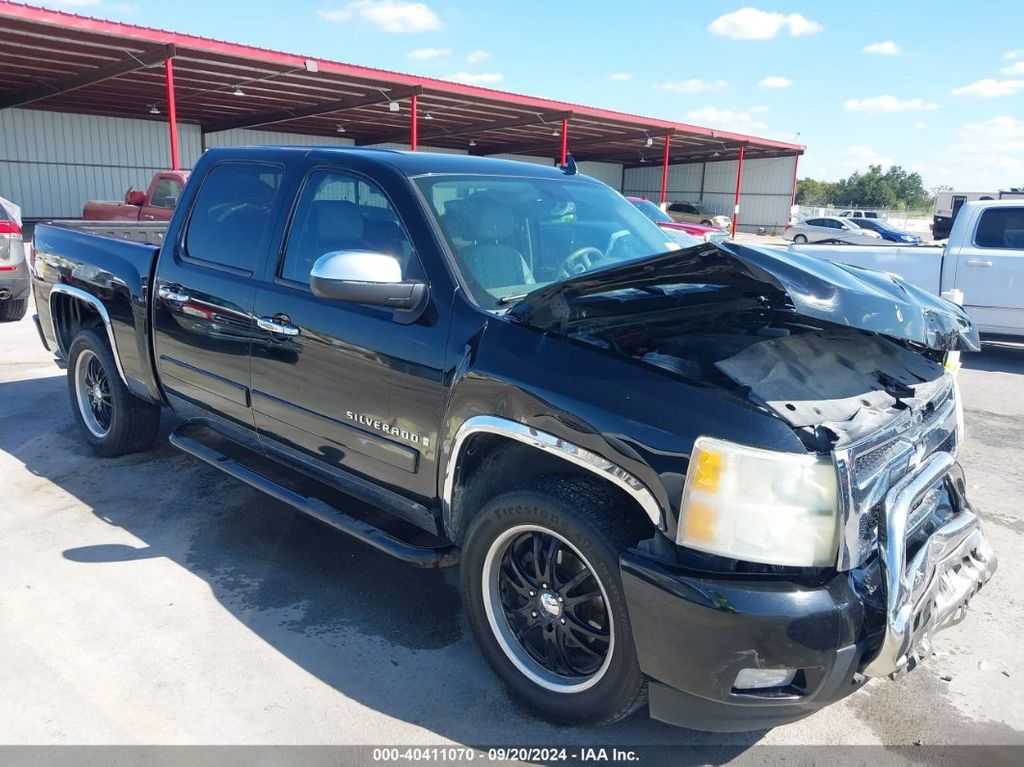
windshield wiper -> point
(511, 299)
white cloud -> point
(758, 110)
(727, 119)
(1017, 68)
(990, 149)
(476, 78)
(621, 77)
(885, 48)
(920, 125)
(124, 8)
(862, 156)
(395, 16)
(887, 103)
(693, 85)
(990, 88)
(429, 53)
(775, 82)
(755, 24)
(1014, 55)
(475, 57)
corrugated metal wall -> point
(51, 163)
(767, 188)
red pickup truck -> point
(155, 204)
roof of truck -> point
(410, 163)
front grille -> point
(869, 469)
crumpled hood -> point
(845, 295)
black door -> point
(204, 293)
(345, 384)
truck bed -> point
(149, 232)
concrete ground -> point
(149, 599)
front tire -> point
(542, 591)
(13, 310)
(112, 419)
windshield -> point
(652, 211)
(511, 236)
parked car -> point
(155, 204)
(14, 284)
(698, 232)
(887, 231)
(860, 214)
(830, 229)
(649, 465)
(695, 213)
(983, 259)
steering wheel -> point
(580, 260)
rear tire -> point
(799, 239)
(544, 598)
(13, 310)
(112, 419)
(706, 222)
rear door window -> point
(232, 214)
(1001, 228)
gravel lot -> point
(149, 599)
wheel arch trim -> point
(81, 295)
(556, 446)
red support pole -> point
(413, 123)
(664, 170)
(565, 140)
(796, 162)
(736, 202)
(172, 114)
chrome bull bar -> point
(932, 591)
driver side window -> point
(339, 211)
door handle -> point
(172, 293)
(978, 262)
(148, 217)
(279, 323)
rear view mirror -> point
(135, 197)
(365, 277)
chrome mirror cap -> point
(357, 266)
(365, 277)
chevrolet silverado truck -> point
(155, 204)
(983, 260)
(718, 481)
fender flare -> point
(88, 298)
(548, 443)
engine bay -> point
(833, 385)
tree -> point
(871, 189)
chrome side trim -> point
(585, 459)
(95, 303)
(933, 591)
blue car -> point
(886, 231)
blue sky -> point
(937, 87)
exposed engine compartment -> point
(833, 385)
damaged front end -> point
(853, 362)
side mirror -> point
(170, 202)
(364, 277)
(135, 197)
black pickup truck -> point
(720, 480)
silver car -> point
(831, 229)
(14, 284)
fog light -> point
(763, 678)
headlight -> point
(760, 505)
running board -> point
(420, 556)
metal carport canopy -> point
(63, 62)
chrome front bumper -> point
(932, 591)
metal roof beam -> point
(325, 108)
(129, 63)
(573, 145)
(537, 118)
